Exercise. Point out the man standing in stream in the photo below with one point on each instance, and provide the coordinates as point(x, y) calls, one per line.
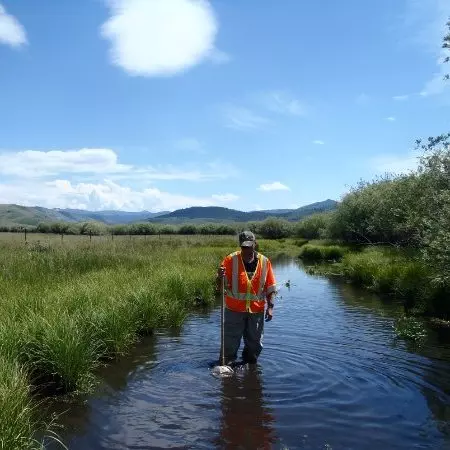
point(249, 283)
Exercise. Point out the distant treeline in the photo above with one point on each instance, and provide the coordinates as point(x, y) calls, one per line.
point(271, 228)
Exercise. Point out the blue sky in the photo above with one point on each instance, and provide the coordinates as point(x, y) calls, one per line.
point(163, 104)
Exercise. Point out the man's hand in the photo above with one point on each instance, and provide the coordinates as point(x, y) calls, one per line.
point(269, 314)
point(221, 272)
point(220, 278)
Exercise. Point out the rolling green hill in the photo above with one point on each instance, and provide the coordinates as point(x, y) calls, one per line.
point(16, 215)
point(199, 214)
point(29, 216)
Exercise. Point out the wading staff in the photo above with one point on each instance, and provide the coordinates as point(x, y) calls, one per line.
point(222, 324)
point(222, 369)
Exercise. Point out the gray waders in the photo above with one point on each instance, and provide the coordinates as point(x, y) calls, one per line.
point(249, 326)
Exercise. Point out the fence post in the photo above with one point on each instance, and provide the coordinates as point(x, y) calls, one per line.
point(25, 231)
point(112, 235)
point(90, 236)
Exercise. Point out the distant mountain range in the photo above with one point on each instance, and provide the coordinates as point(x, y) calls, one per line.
point(216, 213)
point(13, 215)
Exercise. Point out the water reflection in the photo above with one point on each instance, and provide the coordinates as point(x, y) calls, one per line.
point(435, 386)
point(334, 375)
point(282, 261)
point(246, 422)
point(359, 298)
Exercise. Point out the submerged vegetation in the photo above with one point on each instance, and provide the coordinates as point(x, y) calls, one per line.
point(410, 328)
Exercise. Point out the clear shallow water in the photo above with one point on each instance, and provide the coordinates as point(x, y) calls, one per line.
point(332, 375)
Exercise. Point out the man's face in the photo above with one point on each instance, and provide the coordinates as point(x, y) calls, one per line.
point(247, 252)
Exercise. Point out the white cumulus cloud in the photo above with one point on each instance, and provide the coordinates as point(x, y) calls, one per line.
point(318, 142)
point(391, 119)
point(161, 37)
point(103, 195)
point(90, 163)
point(31, 163)
point(11, 31)
point(275, 186)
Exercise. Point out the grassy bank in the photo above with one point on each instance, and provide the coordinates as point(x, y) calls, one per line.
point(388, 271)
point(69, 306)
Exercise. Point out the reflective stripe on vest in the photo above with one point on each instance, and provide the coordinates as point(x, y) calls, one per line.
point(249, 296)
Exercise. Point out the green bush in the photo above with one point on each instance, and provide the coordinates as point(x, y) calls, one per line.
point(313, 227)
point(94, 228)
point(383, 211)
point(188, 229)
point(145, 228)
point(311, 253)
point(273, 228)
point(167, 229)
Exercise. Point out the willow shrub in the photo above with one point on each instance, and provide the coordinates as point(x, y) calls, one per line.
point(314, 226)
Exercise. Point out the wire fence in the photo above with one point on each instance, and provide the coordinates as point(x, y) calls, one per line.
point(28, 237)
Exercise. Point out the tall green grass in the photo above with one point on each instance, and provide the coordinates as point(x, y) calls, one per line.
point(16, 412)
point(319, 253)
point(69, 306)
point(66, 308)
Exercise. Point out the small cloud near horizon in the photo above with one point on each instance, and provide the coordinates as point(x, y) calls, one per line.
point(400, 98)
point(275, 186)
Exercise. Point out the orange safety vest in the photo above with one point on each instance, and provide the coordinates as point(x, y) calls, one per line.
point(243, 294)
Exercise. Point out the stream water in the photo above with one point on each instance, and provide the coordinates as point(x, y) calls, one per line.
point(332, 375)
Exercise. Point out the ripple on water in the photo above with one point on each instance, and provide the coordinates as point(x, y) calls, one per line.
point(331, 373)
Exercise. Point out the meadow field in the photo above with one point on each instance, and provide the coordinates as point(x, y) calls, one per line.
point(71, 304)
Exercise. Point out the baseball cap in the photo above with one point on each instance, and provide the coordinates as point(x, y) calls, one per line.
point(247, 239)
